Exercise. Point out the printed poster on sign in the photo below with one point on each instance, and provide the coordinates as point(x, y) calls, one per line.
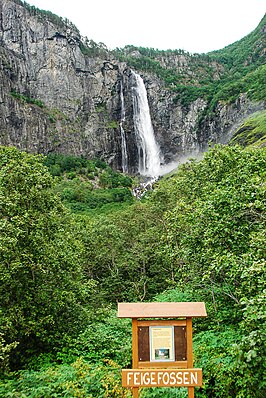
point(162, 343)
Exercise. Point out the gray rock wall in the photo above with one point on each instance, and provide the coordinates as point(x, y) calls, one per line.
point(56, 95)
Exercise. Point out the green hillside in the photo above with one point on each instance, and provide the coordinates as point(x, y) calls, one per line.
point(200, 236)
point(252, 131)
point(247, 53)
point(217, 76)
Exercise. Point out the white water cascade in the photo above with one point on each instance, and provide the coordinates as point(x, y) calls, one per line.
point(123, 136)
point(149, 158)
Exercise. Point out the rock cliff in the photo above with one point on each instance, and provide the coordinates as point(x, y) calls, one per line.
point(60, 92)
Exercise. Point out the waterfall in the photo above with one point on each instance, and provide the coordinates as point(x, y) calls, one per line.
point(148, 150)
point(123, 136)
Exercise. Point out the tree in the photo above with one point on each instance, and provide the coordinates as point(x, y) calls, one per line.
point(215, 239)
point(41, 282)
point(123, 253)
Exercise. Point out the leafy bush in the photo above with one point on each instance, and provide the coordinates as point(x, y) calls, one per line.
point(43, 293)
point(82, 179)
point(106, 338)
point(111, 179)
point(200, 236)
point(65, 163)
point(80, 379)
point(214, 241)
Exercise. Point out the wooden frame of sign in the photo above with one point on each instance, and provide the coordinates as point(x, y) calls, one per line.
point(162, 353)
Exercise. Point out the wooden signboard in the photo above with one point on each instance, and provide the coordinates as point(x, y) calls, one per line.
point(162, 348)
point(161, 377)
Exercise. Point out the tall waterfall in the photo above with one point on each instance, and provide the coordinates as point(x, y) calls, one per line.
point(123, 136)
point(148, 149)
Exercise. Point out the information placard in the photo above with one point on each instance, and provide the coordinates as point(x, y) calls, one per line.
point(162, 343)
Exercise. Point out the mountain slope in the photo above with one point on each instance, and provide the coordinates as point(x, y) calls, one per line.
point(63, 93)
point(252, 131)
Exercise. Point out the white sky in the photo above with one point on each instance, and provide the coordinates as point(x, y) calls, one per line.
point(192, 25)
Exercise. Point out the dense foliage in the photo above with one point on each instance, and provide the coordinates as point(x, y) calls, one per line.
point(200, 236)
point(85, 185)
point(245, 53)
point(43, 291)
point(216, 241)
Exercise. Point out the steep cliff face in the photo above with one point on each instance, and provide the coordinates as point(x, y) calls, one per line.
point(58, 93)
point(54, 97)
point(220, 127)
point(175, 126)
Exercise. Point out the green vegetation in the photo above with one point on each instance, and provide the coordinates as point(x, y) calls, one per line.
point(79, 379)
point(228, 92)
point(43, 290)
point(91, 48)
point(74, 242)
point(200, 236)
point(63, 23)
point(113, 124)
point(86, 185)
point(26, 99)
point(245, 54)
point(149, 60)
point(219, 76)
point(188, 94)
point(252, 131)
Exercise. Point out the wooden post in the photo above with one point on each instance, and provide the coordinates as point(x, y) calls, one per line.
point(189, 353)
point(135, 354)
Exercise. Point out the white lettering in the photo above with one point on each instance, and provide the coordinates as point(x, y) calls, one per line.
point(166, 378)
point(179, 379)
point(129, 375)
point(153, 381)
point(194, 378)
point(159, 377)
point(145, 378)
point(172, 378)
point(185, 377)
point(136, 378)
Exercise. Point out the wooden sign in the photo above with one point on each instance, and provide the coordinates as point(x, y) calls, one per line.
point(162, 348)
point(162, 377)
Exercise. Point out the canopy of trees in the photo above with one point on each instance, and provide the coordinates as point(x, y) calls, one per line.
point(199, 236)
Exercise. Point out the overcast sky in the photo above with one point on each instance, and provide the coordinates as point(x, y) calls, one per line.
point(192, 25)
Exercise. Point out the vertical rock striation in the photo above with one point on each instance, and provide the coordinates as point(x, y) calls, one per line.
point(62, 93)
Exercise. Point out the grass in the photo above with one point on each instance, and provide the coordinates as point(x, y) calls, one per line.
point(252, 131)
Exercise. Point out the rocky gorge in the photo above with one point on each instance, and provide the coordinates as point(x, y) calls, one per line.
point(63, 93)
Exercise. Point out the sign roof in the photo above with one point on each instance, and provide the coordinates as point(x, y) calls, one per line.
point(161, 310)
